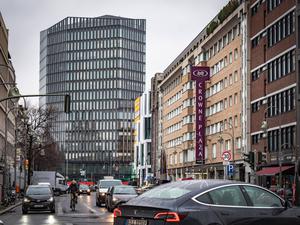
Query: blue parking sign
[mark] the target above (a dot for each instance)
(230, 170)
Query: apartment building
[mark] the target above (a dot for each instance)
(274, 89)
(221, 45)
(7, 115)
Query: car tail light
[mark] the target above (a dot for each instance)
(117, 213)
(169, 216)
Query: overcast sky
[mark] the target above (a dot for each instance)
(170, 26)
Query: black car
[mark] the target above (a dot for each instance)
(38, 197)
(119, 195)
(84, 189)
(207, 202)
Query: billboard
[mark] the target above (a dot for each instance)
(200, 74)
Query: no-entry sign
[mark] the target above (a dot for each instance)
(226, 155)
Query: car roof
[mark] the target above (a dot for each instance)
(38, 186)
(109, 180)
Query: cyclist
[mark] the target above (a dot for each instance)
(73, 189)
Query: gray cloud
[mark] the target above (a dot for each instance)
(171, 25)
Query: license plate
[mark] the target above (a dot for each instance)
(136, 222)
(38, 206)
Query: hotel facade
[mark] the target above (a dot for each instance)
(224, 48)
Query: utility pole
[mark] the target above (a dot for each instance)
(30, 158)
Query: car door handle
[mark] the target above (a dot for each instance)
(224, 213)
(263, 214)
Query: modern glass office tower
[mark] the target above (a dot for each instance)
(100, 62)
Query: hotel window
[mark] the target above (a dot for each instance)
(230, 79)
(235, 76)
(235, 98)
(230, 57)
(225, 82)
(235, 54)
(228, 145)
(235, 121)
(214, 151)
(225, 103)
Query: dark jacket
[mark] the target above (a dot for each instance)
(73, 188)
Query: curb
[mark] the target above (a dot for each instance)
(10, 208)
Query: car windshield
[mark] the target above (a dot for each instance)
(166, 192)
(38, 191)
(125, 190)
(83, 187)
(109, 183)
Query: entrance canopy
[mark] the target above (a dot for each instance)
(271, 171)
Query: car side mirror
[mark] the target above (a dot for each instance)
(287, 204)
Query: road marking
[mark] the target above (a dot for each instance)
(59, 209)
(69, 223)
(93, 210)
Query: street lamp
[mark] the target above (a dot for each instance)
(264, 128)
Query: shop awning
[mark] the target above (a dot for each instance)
(270, 171)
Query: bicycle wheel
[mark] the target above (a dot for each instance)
(73, 204)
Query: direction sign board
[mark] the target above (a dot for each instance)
(226, 155)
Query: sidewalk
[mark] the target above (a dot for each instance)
(7, 209)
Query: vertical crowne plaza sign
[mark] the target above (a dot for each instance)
(200, 75)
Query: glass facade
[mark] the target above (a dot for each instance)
(100, 62)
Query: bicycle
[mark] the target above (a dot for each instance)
(73, 201)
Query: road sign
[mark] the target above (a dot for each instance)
(226, 155)
(230, 170)
(82, 172)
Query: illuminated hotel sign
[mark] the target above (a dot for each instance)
(200, 75)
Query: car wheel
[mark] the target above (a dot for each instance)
(97, 203)
(53, 211)
(24, 211)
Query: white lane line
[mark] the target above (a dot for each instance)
(69, 223)
(93, 210)
(59, 209)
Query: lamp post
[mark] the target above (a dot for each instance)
(264, 128)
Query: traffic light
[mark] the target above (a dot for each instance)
(67, 103)
(261, 157)
(250, 158)
(26, 162)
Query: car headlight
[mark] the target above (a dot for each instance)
(80, 190)
(26, 199)
(51, 199)
(115, 199)
(102, 193)
(88, 190)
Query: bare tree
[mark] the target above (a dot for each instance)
(34, 127)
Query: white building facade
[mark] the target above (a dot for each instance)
(142, 144)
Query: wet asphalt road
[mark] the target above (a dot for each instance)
(86, 213)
